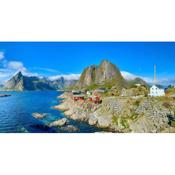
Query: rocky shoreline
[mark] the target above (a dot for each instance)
(78, 112)
(122, 115)
(62, 123)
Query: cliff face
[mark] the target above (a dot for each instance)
(20, 82)
(15, 83)
(106, 72)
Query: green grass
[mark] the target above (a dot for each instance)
(137, 102)
(114, 119)
(173, 123)
(92, 87)
(122, 121)
(170, 91)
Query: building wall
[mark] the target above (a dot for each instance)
(155, 91)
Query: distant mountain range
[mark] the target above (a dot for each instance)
(19, 82)
(104, 75)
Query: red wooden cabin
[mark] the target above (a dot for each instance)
(78, 97)
(95, 99)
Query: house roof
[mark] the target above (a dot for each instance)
(154, 86)
(79, 95)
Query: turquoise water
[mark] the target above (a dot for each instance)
(16, 113)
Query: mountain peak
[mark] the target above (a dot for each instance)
(19, 74)
(105, 61)
(20, 82)
(99, 75)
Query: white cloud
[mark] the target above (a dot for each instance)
(4, 76)
(10, 68)
(16, 65)
(66, 76)
(1, 56)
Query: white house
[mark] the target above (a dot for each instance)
(89, 93)
(156, 92)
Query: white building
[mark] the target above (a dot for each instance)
(154, 90)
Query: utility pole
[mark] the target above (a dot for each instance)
(155, 81)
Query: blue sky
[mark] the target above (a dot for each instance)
(68, 58)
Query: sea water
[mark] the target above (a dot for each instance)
(16, 113)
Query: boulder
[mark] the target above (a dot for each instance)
(69, 112)
(58, 123)
(92, 120)
(39, 116)
(104, 121)
(79, 115)
(62, 107)
(69, 128)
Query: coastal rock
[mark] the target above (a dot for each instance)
(69, 128)
(69, 112)
(39, 116)
(92, 120)
(62, 107)
(118, 114)
(62, 96)
(59, 123)
(104, 122)
(23, 130)
(79, 115)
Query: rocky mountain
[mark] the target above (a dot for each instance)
(19, 82)
(131, 83)
(105, 73)
(62, 83)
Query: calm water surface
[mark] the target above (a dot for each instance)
(16, 113)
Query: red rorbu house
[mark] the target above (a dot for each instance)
(95, 99)
(78, 97)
